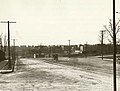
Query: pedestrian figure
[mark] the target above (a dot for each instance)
(55, 57)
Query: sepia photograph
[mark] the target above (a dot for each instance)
(59, 45)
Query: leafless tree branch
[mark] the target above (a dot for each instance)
(108, 31)
(110, 24)
(117, 22)
(117, 30)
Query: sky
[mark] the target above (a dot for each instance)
(54, 22)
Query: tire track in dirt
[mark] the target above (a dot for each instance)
(38, 75)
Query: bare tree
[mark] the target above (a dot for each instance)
(109, 30)
(1, 46)
(5, 43)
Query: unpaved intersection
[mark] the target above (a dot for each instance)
(37, 75)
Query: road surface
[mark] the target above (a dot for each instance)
(40, 75)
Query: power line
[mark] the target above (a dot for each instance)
(102, 37)
(8, 22)
(69, 49)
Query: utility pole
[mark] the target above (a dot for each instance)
(40, 49)
(102, 37)
(8, 22)
(86, 49)
(50, 51)
(69, 49)
(114, 49)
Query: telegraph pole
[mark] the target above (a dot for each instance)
(8, 22)
(102, 45)
(86, 49)
(69, 49)
(114, 49)
(102, 37)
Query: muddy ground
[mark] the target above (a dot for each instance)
(66, 74)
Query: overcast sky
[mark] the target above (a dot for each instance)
(56, 21)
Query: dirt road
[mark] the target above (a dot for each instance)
(37, 75)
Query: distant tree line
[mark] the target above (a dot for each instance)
(62, 50)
